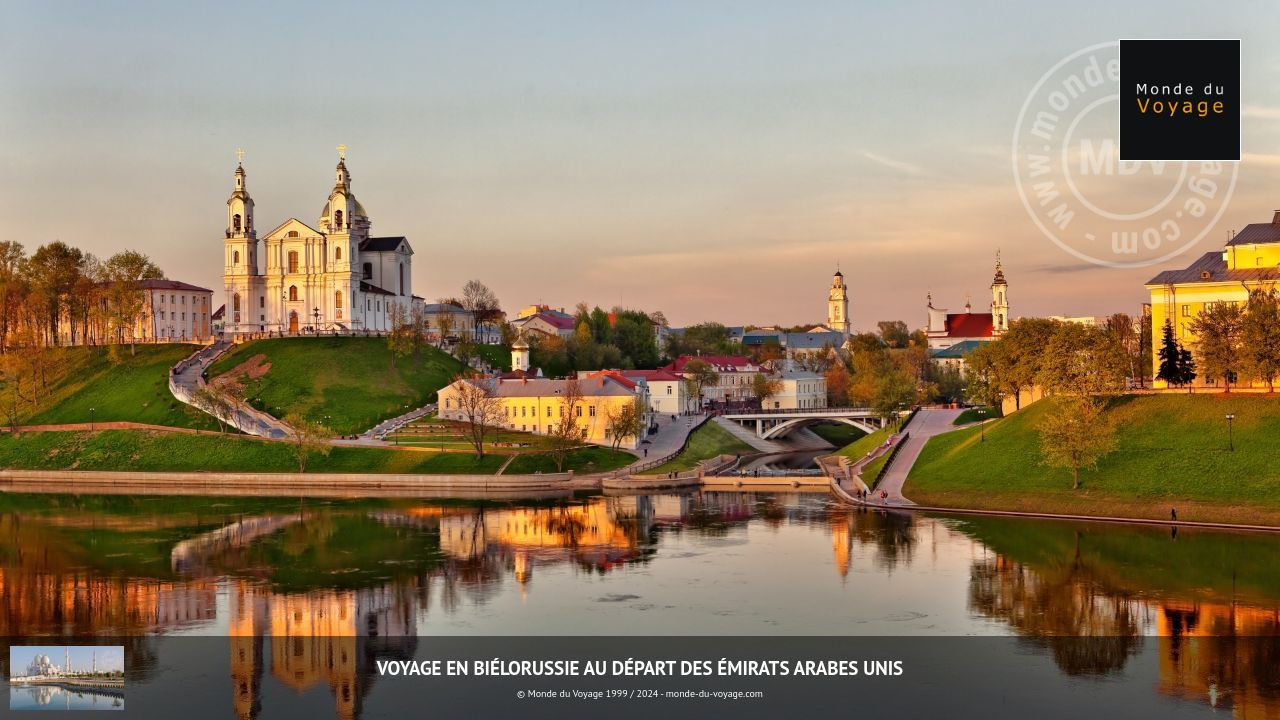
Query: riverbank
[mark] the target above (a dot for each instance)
(1172, 451)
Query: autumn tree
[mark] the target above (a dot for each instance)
(837, 377)
(698, 376)
(1081, 360)
(124, 274)
(1219, 347)
(1076, 435)
(624, 421)
(764, 387)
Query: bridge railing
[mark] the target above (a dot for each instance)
(802, 411)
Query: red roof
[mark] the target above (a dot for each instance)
(719, 362)
(658, 375)
(612, 375)
(969, 325)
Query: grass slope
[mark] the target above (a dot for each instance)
(707, 441)
(585, 460)
(132, 388)
(838, 434)
(1171, 450)
(347, 384)
(863, 445)
(145, 451)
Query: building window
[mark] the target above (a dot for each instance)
(367, 271)
(262, 301)
(591, 411)
(235, 222)
(293, 261)
(1186, 311)
(293, 293)
(337, 253)
(548, 411)
(337, 299)
(337, 219)
(235, 302)
(235, 257)
(579, 410)
(401, 278)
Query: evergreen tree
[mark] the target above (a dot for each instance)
(1170, 357)
(1186, 371)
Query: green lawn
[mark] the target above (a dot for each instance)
(706, 442)
(838, 434)
(1171, 451)
(972, 415)
(498, 356)
(873, 467)
(347, 384)
(89, 386)
(864, 445)
(159, 452)
(585, 460)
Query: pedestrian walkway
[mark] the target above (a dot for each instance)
(926, 423)
(188, 376)
(669, 439)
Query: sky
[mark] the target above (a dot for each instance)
(712, 160)
(110, 657)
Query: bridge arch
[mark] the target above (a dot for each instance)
(785, 428)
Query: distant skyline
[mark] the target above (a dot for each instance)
(109, 657)
(711, 160)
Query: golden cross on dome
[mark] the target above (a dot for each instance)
(342, 152)
(239, 155)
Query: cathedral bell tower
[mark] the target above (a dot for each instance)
(999, 301)
(241, 236)
(838, 305)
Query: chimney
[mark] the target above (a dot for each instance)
(1275, 219)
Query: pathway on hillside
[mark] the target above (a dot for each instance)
(188, 376)
(669, 438)
(926, 423)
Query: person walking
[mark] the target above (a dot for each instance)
(1173, 514)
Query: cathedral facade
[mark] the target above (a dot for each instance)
(334, 277)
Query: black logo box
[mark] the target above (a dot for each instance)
(1187, 68)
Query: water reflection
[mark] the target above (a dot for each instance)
(308, 593)
(58, 697)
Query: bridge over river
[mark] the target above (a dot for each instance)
(776, 424)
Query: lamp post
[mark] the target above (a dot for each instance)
(91, 419)
(982, 426)
(315, 326)
(1231, 445)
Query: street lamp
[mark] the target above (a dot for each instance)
(1231, 445)
(315, 326)
(91, 419)
(982, 426)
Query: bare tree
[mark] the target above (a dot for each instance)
(566, 433)
(481, 302)
(479, 408)
(214, 403)
(624, 422)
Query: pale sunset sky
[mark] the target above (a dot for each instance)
(713, 160)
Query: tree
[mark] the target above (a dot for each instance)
(698, 375)
(1081, 360)
(894, 333)
(894, 391)
(627, 420)
(764, 387)
(981, 383)
(214, 403)
(1170, 356)
(1120, 327)
(565, 433)
(481, 302)
(309, 438)
(837, 385)
(1218, 347)
(13, 288)
(1075, 435)
(126, 297)
(1186, 367)
(479, 407)
(1260, 336)
(53, 270)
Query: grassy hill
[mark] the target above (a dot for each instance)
(1171, 451)
(148, 451)
(132, 388)
(706, 442)
(347, 384)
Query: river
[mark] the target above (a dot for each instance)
(702, 563)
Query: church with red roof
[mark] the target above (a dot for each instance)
(946, 329)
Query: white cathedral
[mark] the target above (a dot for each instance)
(330, 278)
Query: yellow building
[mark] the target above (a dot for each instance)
(1248, 261)
(537, 404)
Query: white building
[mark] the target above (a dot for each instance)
(800, 389)
(333, 277)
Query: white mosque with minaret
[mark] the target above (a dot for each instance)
(335, 276)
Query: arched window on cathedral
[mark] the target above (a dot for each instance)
(401, 278)
(337, 219)
(337, 299)
(367, 270)
(293, 261)
(235, 222)
(337, 253)
(235, 257)
(293, 293)
(235, 302)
